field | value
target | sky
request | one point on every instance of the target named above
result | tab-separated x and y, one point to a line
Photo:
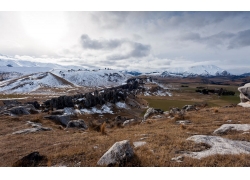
131	40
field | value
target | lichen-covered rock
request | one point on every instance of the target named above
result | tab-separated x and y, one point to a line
117	154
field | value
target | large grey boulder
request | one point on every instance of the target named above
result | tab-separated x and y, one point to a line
117	154
77	123
59	119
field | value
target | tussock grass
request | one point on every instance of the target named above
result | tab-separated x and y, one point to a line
103	128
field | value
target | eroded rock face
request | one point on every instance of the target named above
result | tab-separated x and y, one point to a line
117	154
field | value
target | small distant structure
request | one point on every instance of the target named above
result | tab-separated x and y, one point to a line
9	65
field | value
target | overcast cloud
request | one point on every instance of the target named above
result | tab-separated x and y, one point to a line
145	41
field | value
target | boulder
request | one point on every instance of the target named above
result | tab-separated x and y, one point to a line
35	104
20	110
11	102
77	123
32	160
57	112
189	108
32	130
117	154
128	122
148	112
244	93
59	119
35	128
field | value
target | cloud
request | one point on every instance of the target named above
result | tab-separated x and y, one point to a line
117	48
242	39
99	44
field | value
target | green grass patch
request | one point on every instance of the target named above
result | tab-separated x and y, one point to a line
167	104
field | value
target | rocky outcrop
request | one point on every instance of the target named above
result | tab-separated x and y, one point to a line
117	154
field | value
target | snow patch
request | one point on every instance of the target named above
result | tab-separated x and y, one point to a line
122	105
94	110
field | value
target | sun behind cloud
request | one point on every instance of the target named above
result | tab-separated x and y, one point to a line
46	28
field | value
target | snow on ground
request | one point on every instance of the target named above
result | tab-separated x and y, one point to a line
157	93
27	84
236	127
122	105
93	78
218	145
94	110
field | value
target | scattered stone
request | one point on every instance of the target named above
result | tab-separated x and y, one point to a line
229	121
77	123
117	154
185	122
32	160
157	117
57	112
32	130
178	159
139	143
59	119
128	122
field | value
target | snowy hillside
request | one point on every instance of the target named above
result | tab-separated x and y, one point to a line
92	78
32	82
203	70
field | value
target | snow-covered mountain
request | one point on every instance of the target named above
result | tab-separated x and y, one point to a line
201	70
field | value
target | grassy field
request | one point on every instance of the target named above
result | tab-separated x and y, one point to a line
187	95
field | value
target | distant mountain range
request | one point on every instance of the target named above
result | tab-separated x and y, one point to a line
201	70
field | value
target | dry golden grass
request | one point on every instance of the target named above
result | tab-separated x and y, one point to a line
165	140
